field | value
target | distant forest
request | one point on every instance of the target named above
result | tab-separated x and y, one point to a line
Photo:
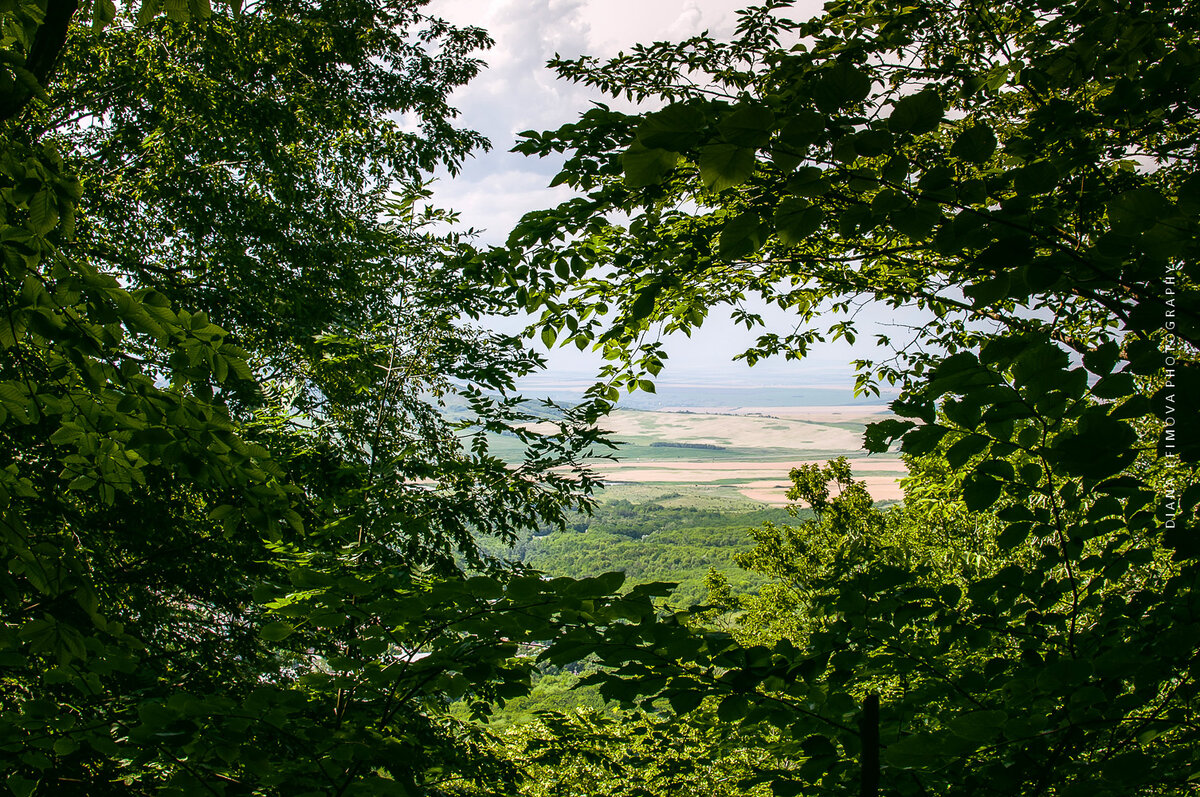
705	446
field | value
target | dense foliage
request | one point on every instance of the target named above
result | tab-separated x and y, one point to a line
647	542
231	505
1026	176
234	519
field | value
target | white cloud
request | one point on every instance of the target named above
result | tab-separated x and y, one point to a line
517	92
495	201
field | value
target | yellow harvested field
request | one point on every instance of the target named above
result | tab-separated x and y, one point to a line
762	481
733	430
758	446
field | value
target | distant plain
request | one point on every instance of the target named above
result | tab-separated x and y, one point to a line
756	447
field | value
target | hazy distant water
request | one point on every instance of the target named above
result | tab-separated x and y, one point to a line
674	395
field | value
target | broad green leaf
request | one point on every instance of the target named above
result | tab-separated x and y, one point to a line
975	144
923	439
1099	447
149	9
103	12
676	128
725	165
808	181
20	786
644	167
741	236
178	10
917	113
796	219
1137	210
747	125
684	702
43	211
880	434
916	221
965	449
979	726
643	304
980	491
1038	177
841	85
276	631
918	751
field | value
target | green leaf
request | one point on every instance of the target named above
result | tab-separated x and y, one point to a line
919	751
841	85
725	165
796	219
643	303
178	10
979	726
747	125
20	786
276	631
683	702
1100	446
103	12
67	433
732	708
916	221
1137	210
917	113
608	583
880	434
1103	358
923	439
975	144
644	167
148	10
741	236
1115	386
1036	178
43	211
965	449
677	128
980	491
808	182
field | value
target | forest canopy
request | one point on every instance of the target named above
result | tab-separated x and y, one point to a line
242	536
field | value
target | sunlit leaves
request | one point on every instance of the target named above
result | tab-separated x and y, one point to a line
644	166
1039	212
43	211
796	219
741	236
725	165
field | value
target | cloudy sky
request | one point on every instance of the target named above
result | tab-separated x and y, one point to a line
517	92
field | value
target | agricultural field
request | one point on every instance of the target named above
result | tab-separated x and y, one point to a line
752	449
